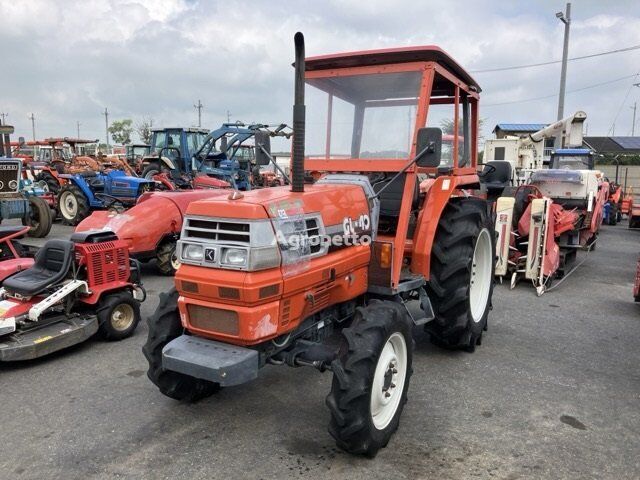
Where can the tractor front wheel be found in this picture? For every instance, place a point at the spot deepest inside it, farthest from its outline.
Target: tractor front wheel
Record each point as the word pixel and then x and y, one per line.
pixel 150 170
pixel 39 218
pixel 462 269
pixel 164 326
pixel 371 378
pixel 51 181
pixel 118 315
pixel 73 205
pixel 167 258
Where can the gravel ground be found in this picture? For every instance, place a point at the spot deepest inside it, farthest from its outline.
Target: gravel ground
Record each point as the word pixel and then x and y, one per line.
pixel 553 392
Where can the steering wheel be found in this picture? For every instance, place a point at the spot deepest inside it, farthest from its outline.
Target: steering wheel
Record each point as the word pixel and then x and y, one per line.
pixel 487 170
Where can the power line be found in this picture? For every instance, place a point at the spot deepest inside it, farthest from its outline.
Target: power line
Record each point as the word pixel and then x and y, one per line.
pixel 555 94
pixel 542 64
pixel 613 124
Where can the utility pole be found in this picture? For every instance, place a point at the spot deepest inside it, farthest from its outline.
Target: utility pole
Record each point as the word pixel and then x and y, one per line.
pixel 106 126
pixel 633 124
pixel 33 125
pixel 566 19
pixel 199 108
pixel 78 127
pixel 228 116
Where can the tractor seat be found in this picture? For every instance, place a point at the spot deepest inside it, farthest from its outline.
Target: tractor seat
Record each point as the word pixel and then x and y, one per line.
pixel 88 174
pixel 391 197
pixel 96 182
pixel 51 265
pixel 497 179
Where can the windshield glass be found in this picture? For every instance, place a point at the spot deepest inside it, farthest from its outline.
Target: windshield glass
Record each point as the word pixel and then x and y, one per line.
pixel 362 116
pixel 572 162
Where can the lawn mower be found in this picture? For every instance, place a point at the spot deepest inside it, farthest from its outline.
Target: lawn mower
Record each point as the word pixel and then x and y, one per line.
pixel 335 274
pixel 14 256
pixel 152 227
pixel 73 290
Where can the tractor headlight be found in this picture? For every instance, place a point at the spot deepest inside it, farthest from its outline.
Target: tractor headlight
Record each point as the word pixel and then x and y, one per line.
pixel 234 257
pixel 192 253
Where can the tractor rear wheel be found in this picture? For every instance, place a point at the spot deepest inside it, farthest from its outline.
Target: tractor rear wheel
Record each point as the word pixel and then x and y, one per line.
pixel 39 218
pixel 462 269
pixel 164 326
pixel 371 378
pixel 118 315
pixel 50 180
pixel 73 205
pixel 167 258
pixel 150 170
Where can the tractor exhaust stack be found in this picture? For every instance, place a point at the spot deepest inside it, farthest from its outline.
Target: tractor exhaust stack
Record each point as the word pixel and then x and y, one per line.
pixel 297 160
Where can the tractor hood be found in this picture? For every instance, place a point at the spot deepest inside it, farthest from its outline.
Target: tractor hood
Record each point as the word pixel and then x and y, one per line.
pixel 336 203
pixel 155 216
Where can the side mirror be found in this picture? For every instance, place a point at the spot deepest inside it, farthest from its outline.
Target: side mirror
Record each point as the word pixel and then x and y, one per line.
pixel 262 139
pixel 21 141
pixel 429 148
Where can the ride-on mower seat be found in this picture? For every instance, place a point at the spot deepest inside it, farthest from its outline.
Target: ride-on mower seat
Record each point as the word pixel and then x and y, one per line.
pixel 51 265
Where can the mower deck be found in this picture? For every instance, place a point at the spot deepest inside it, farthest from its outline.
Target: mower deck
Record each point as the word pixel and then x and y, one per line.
pixel 210 360
pixel 39 341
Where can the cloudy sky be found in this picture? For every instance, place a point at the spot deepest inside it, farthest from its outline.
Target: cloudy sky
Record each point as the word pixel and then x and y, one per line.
pixel 67 60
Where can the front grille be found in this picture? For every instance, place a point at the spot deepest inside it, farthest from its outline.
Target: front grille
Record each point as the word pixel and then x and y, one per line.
pixel 214 320
pixel 218 231
pixel 9 176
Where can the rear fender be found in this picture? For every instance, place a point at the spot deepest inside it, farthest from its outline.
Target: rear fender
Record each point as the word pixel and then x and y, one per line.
pixel 437 198
pixel 84 188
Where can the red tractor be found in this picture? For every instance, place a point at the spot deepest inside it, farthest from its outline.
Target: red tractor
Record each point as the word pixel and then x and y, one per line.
pixel 150 228
pixel 73 290
pixel 335 274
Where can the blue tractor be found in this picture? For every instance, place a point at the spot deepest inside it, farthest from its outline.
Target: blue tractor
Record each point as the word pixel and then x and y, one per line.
pixel 86 191
pixel 171 150
pixel 227 155
pixel 20 199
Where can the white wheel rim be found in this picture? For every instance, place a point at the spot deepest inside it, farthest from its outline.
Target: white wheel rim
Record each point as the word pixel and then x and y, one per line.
pixel 480 282
pixel 175 263
pixel 388 381
pixel 68 205
pixel 122 317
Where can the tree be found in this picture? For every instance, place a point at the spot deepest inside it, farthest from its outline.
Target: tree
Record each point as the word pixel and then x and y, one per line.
pixel 121 130
pixel 447 126
pixel 143 129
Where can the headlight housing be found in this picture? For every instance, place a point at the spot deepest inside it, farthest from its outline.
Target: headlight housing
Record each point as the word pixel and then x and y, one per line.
pixel 238 245
pixel 234 257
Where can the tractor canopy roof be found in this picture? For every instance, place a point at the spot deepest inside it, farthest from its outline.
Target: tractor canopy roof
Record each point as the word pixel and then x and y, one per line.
pixel 69 140
pixel 387 56
pixel 188 129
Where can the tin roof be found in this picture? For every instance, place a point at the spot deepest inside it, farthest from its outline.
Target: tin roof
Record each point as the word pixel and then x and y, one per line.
pixel 520 127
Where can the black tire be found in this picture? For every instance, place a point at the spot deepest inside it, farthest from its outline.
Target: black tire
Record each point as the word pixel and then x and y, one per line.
pixel 118 315
pixel 165 257
pixel 150 170
pixel 164 326
pixel 350 400
pixel 39 218
pixel 50 180
pixel 613 215
pixel 460 227
pixel 82 209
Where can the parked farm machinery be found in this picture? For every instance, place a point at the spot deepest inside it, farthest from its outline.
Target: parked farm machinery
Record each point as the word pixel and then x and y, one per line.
pixel 545 222
pixel 73 290
pixel 335 274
